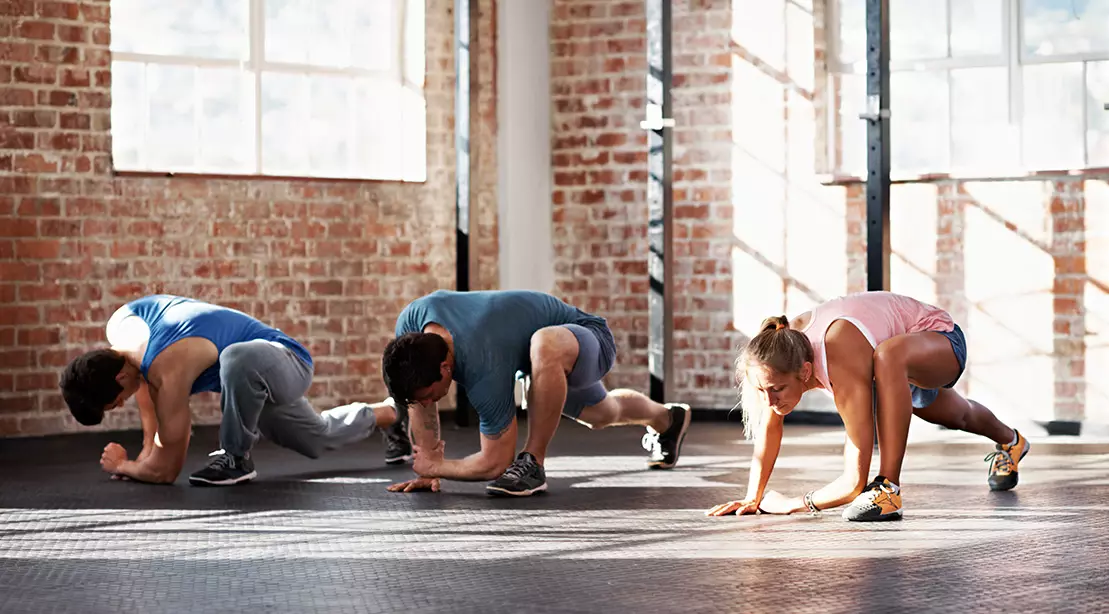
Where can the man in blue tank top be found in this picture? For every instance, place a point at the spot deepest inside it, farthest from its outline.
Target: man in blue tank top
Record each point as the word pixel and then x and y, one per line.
pixel 481 340
pixel 166 348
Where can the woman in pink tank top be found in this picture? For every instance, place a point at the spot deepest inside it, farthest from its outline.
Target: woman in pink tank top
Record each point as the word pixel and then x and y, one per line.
pixel 880 355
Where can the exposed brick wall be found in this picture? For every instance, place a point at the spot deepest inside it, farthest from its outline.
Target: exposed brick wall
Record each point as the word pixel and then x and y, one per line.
pixel 598 86
pixel 330 262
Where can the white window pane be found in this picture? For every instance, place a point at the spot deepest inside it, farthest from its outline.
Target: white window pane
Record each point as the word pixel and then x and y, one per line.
pixel 226 115
pixel 1097 132
pixel 800 34
pixel 918 29
pixel 852 92
pixel 1058 27
pixel 128 114
pixel 415 47
pixel 334 33
pixel 976 27
pixel 759 26
pixel 919 127
pixel 1052 126
pixel 331 113
pixel 171 133
pixel 380 129
pixel 982 137
pixel 284 107
pixel 193 28
pixel 852 31
pixel 414 138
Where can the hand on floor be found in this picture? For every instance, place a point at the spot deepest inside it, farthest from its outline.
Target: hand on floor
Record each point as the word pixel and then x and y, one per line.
pixel 416 485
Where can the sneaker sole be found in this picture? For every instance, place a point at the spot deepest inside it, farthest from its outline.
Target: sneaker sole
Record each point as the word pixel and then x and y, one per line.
pixel 681 440
pixel 399 459
pixel 500 492
pixel 883 518
pixel 232 482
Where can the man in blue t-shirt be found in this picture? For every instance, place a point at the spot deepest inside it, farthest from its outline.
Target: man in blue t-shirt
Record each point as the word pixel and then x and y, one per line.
pixel 166 348
pixel 482 340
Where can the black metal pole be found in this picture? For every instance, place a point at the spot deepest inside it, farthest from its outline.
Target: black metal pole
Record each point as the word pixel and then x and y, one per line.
pixel 462 170
pixel 660 200
pixel 878 145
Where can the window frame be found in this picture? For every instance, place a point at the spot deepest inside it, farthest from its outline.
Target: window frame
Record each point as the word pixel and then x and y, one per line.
pixel 1013 57
pixel 256 64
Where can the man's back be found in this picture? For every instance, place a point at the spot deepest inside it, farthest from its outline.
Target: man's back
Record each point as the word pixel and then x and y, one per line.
pixel 173 318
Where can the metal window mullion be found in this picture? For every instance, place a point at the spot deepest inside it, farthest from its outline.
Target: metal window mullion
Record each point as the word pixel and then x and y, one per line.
pixel 1016 75
pixel 257 57
pixel 1085 116
pixel 949 24
pixel 144 156
pixel 1068 58
pixel 178 60
pixel 197 104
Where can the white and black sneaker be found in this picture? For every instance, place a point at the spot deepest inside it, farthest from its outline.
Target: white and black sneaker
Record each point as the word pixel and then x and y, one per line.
pixel 663 449
pixel 524 477
pixel 398 441
pixel 225 470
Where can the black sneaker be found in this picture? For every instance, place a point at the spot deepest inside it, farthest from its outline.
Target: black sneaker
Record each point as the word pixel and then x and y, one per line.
pixel 224 470
pixel 398 443
pixel 664 448
pixel 525 476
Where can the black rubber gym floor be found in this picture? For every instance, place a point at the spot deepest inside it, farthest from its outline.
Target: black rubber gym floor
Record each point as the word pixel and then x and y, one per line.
pixel 325 536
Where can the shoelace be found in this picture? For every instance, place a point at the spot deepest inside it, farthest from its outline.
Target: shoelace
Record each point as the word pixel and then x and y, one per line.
pixel 223 460
pixel 651 442
pixel 874 489
pixel 1002 460
pixel 518 469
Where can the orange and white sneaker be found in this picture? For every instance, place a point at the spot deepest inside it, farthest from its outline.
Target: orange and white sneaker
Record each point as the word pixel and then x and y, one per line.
pixel 880 500
pixel 1003 468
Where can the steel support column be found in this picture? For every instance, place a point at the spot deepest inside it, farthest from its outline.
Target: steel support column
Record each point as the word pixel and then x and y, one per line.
pixel 462 169
pixel 878 145
pixel 660 201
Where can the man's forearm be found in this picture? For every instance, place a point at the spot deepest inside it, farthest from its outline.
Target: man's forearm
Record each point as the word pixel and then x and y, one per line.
pixel 473 468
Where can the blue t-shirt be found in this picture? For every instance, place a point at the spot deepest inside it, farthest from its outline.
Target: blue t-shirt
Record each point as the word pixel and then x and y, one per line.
pixel 492 340
pixel 173 318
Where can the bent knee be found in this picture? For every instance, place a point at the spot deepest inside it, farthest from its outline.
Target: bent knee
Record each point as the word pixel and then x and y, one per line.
pixel 889 358
pixel 554 347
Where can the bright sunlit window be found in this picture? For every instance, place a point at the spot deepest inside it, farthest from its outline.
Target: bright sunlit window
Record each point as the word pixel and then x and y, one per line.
pixel 980 85
pixel 303 88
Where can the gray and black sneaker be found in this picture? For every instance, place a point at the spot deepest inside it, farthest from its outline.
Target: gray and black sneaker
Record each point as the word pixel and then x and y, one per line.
pixel 664 448
pixel 524 477
pixel 398 442
pixel 224 470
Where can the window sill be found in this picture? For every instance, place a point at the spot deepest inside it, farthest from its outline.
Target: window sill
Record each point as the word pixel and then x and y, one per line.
pixel 895 179
pixel 255 177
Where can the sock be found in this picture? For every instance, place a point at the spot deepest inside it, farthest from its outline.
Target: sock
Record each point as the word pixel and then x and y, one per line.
pixel 1016 438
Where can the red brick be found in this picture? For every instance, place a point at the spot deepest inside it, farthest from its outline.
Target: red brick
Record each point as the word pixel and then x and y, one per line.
pixel 74 77
pixel 14 51
pixel 95 12
pixel 58 10
pixel 72 34
pixel 40 30
pixel 15 139
pixel 35 73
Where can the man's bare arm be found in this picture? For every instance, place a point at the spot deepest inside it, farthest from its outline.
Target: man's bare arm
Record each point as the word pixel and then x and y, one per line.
pixel 149 420
pixel 167 456
pixel 494 457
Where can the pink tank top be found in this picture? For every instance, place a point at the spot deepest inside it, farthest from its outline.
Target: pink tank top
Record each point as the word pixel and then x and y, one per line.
pixel 878 315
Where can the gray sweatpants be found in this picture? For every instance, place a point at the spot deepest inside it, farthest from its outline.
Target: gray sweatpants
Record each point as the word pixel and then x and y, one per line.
pixel 263 395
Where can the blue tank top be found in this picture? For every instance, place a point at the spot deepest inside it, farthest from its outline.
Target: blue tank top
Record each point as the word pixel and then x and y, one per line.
pixel 173 318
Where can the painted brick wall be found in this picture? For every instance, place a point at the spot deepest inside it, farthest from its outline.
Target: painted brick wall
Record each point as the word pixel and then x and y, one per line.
pixel 598 83
pixel 330 262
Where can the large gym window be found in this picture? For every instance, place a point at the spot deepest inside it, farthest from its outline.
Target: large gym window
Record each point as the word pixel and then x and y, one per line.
pixel 303 88
pixel 987 87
